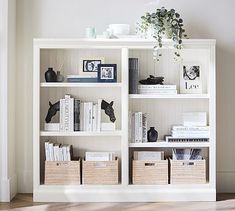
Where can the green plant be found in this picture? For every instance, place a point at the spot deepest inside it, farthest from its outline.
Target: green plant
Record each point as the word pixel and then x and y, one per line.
pixel 163 23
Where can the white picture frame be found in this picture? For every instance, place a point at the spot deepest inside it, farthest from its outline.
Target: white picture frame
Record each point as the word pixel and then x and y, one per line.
pixel 190 78
pixel 90 62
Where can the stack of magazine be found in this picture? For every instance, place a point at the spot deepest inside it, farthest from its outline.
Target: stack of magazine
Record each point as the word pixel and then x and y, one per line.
pixel 157 89
pixel 81 79
pixel 186 154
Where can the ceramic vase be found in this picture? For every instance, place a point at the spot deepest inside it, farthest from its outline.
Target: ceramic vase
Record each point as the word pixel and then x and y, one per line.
pixel 50 75
pixel 152 135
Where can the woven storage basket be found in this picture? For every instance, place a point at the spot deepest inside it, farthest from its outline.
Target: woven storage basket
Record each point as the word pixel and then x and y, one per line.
pixel 150 172
pixel 62 173
pixel 100 172
pixel 188 171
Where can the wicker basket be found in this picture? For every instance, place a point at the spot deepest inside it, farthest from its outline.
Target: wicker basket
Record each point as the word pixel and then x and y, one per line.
pixel 188 172
pixel 150 172
pixel 100 172
pixel 62 173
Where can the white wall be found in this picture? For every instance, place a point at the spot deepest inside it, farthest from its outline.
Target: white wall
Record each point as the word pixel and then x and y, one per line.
pixel 68 19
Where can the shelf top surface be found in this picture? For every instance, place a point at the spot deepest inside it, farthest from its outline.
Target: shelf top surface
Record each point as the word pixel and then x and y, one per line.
pixel 44 43
pixel 170 144
pixel 180 96
pixel 68 84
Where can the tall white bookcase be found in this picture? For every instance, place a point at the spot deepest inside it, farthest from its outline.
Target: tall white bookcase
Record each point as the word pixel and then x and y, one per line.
pixel 164 111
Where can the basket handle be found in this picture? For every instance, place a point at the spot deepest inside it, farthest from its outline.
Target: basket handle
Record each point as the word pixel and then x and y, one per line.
pixel 188 163
pixel 149 164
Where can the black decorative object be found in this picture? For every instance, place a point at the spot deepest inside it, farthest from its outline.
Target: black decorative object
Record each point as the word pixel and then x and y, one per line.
pixel 52 110
pixel 152 135
pixel 50 75
pixel 59 77
pixel 108 109
pixel 152 80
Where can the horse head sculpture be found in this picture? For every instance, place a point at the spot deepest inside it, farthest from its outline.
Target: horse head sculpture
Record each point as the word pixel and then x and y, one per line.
pixel 108 109
pixel 52 110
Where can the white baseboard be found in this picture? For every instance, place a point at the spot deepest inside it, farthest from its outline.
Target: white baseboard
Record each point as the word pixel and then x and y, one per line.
pixel 25 182
pixel 4 190
pixel 225 181
pixel 8 188
pixel 13 186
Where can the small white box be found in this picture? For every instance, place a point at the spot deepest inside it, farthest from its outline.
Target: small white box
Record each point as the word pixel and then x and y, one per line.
pixel 108 126
pixel 194 119
pixel 52 126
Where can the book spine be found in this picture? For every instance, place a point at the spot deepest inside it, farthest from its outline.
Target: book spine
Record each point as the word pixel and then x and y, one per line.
pixel 85 116
pixel 158 87
pixel 47 151
pixel 140 127
pixel 133 127
pixel 82 116
pixel 65 156
pixel 90 115
pixel 94 117
pixel 71 114
pixel 66 114
pixel 145 127
pixel 99 115
pixel 76 115
pixel 61 115
pixel 133 75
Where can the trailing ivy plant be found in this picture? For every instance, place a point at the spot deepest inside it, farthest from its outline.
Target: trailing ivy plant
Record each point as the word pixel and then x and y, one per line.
pixel 161 24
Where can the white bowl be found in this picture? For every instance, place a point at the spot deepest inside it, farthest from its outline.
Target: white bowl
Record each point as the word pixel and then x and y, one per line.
pixel 120 29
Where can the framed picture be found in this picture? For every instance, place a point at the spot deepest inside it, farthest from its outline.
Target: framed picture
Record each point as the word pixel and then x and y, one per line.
pixel 190 78
pixel 89 66
pixel 107 73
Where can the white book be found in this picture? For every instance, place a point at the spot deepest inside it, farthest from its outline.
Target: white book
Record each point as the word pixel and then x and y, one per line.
pixel 56 152
pixel 192 128
pixel 65 156
pixel 158 92
pixel 66 113
pixel 98 156
pixel 99 115
pixel 80 76
pixel 69 157
pixel 47 151
pixel 89 116
pixel 145 127
pixel 61 115
pixel 194 119
pixel 51 151
pixel 137 128
pixel 61 154
pixel 190 136
pixel 85 116
pixel 189 132
pixel 157 86
pixel 129 126
pixel 82 116
pixel 148 155
pixel 71 114
pixel 140 133
pixel 94 116
pixel 133 127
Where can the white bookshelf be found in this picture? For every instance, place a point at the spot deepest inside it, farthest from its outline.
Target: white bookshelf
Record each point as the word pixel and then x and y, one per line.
pixel 164 110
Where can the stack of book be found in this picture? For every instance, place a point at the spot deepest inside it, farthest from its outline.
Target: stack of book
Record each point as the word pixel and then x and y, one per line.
pixel 79 116
pixel 148 155
pixel 187 154
pixel 100 156
pixel 81 79
pixel 138 127
pixel 133 75
pixel 157 89
pixel 58 152
pixel 190 132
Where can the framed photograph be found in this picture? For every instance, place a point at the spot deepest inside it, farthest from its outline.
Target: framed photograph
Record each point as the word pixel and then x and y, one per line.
pixel 107 73
pixel 89 66
pixel 190 78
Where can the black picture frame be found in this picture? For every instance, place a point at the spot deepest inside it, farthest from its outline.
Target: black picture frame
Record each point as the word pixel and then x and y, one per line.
pixel 90 65
pixel 107 73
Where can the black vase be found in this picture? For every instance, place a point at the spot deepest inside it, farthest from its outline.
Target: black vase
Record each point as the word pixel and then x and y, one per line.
pixel 152 135
pixel 50 75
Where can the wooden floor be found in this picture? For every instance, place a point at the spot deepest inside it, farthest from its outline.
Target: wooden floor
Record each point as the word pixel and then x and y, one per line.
pixel 23 202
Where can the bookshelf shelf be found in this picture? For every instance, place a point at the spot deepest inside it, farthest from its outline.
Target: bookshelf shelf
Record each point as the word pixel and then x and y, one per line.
pixel 168 96
pixel 165 144
pixel 82 133
pixel 90 85
pixel 162 114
